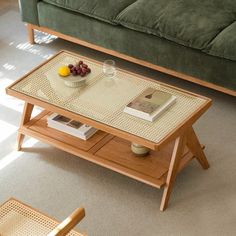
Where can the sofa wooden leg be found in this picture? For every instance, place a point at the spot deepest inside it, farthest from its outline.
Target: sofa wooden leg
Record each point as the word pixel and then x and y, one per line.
pixel 30 30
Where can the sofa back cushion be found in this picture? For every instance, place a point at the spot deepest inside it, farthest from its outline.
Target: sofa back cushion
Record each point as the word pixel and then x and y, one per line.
pixel 105 10
pixel 197 24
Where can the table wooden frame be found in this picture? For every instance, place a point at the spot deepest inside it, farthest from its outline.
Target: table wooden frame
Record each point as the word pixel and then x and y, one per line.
pixel 186 145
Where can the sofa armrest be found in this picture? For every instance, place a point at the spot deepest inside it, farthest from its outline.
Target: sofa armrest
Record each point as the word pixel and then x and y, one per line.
pixel 29 11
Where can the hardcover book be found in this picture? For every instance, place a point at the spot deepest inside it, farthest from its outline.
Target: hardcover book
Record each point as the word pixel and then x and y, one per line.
pixel 71 127
pixel 150 104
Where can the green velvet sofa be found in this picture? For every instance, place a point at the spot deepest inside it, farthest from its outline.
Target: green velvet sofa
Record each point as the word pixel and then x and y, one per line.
pixel 193 40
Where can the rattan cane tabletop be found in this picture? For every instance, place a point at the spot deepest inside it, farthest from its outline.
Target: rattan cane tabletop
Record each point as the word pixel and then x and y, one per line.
pixel 103 100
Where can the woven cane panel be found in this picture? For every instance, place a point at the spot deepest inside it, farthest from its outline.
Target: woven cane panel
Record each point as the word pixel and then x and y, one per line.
pixel 104 99
pixel 18 220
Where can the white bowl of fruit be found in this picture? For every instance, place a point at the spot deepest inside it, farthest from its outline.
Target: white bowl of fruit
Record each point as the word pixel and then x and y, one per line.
pixel 74 75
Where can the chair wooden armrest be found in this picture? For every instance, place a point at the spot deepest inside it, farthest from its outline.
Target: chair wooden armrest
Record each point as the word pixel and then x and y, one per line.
pixel 69 223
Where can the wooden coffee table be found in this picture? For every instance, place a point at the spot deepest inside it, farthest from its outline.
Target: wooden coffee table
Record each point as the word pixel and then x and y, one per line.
pixel 100 103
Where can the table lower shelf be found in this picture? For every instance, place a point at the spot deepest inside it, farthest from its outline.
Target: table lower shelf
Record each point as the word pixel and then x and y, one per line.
pixel 108 151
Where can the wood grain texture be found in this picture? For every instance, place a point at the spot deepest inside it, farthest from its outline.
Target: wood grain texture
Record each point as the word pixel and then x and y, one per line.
pixel 132 59
pixel 93 158
pixel 173 170
pixel 195 147
pixel 69 223
pixel 19 141
pixel 27 112
pixel 109 151
pixel 30 31
pixel 40 126
pixel 100 144
pixel 118 150
pixel 26 115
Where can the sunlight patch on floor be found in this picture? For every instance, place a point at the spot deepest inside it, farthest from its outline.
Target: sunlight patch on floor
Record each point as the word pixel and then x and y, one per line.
pixel 31 49
pixel 27 47
pixel 8 101
pixel 12 156
pixel 8 66
pixel 40 38
pixel 12 102
pixel 6 130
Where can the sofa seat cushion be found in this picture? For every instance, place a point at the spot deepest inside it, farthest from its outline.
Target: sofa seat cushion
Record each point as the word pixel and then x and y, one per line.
pixel 105 10
pixel 224 43
pixel 205 25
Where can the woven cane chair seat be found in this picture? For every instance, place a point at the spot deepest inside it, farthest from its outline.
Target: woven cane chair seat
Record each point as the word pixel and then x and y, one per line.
pixel 18 219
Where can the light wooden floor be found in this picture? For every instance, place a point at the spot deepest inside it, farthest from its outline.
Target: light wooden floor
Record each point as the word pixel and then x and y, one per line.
pixel 8 3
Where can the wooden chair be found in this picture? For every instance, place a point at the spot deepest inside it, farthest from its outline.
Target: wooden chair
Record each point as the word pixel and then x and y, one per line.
pixel 16 219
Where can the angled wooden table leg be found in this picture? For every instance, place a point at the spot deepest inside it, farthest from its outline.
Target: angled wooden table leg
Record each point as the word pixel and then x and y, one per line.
pixel 195 147
pixel 28 108
pixel 173 169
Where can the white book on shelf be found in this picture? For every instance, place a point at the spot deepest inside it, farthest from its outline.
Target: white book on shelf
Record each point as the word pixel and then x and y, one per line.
pixel 150 104
pixel 71 127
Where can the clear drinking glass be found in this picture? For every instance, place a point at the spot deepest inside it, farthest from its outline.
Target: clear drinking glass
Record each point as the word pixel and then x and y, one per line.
pixel 109 68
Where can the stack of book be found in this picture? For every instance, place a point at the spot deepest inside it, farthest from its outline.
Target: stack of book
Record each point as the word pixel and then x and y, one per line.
pixel 71 127
pixel 150 104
